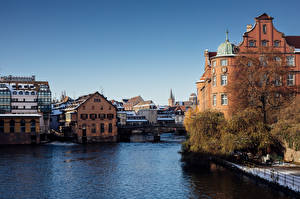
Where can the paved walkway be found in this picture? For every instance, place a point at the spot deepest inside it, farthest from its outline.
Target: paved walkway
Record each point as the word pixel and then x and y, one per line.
pixel 286 175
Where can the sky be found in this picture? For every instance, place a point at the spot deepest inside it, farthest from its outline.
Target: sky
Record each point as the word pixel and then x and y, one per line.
pixel 126 48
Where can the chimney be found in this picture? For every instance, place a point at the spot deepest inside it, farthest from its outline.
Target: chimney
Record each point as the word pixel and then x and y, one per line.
pixel 249 27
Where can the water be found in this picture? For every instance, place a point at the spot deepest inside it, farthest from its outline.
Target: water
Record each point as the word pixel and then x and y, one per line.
pixel 121 170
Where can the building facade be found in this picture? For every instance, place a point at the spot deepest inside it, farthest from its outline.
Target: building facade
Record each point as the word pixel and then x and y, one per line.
pixel 19 128
pixel 25 95
pixel 92 118
pixel 219 67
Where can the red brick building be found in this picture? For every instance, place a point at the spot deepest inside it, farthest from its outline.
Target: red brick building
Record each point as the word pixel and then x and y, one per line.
pixel 92 118
pixel 219 66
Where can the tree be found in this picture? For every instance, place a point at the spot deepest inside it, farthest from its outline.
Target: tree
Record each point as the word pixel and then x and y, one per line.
pixel 204 130
pixel 287 129
pixel 259 82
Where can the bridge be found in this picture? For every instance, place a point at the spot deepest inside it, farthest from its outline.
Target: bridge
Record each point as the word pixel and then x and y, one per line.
pixel 155 130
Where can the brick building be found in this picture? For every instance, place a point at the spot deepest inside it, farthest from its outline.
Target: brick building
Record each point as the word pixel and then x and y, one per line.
pixel 219 66
pixel 92 118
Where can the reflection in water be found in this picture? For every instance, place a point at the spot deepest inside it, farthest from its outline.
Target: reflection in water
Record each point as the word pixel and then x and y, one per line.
pixel 122 170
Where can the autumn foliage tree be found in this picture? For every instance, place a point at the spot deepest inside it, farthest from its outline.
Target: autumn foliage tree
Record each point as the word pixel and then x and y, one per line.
pixel 259 81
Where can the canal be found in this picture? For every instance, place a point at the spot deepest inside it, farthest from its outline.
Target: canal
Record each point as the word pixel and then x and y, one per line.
pixel 121 170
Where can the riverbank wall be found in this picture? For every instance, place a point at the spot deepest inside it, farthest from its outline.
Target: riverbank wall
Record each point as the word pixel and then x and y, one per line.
pixel 285 182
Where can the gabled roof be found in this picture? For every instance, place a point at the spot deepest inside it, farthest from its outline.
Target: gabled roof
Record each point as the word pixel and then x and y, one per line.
pixel 264 16
pixel 134 100
pixel 293 41
pixel 82 99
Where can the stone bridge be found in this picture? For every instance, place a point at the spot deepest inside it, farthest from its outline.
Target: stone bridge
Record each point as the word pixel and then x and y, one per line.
pixel 155 130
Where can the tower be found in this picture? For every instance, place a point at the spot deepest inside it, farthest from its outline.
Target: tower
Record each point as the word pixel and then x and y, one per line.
pixel 171 100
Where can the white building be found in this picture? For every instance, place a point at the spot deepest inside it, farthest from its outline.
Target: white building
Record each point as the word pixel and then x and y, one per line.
pixel 25 95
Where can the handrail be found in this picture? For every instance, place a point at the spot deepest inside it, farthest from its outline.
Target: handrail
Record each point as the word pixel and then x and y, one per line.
pixel 288 180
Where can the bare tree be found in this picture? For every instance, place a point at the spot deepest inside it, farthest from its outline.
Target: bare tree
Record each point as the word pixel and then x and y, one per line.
pixel 261 80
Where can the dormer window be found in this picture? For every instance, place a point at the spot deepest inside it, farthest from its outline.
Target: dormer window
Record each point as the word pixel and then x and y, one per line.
pixel 252 43
pixel 264 42
pixel 276 43
pixel 264 29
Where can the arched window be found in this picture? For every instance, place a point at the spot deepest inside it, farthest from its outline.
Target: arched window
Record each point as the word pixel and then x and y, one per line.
pixel 32 126
pixel 21 93
pixel 26 93
pixel 12 126
pixel 23 129
pixel 15 92
pixel 265 29
pixel 32 93
pixel 1 126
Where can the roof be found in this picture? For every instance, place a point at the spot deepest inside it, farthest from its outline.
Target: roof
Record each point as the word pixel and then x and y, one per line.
pixel 293 41
pixel 212 54
pixel 19 115
pixel 82 99
pixel 264 16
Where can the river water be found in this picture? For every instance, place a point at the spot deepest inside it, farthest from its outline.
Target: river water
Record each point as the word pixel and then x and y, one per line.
pixel 121 170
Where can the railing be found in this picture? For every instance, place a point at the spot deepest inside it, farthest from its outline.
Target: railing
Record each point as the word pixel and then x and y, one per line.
pixel 288 180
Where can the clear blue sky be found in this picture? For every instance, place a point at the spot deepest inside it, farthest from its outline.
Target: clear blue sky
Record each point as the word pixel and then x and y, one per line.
pixel 125 47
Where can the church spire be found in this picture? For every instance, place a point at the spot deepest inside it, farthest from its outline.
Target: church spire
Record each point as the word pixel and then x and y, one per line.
pixel 227 35
pixel 171 95
pixel 171 99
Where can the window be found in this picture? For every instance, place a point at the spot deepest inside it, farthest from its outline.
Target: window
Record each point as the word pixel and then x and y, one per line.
pixel 214 82
pixel 97 100
pixel 277 81
pixel 11 126
pixel 224 62
pixel 32 126
pixel 276 43
pixel 26 93
pixel 223 80
pixel 109 108
pixel 214 63
pixel 83 116
pixel 264 29
pixel 93 128
pixel 101 116
pixel 93 116
pixel 21 93
pixel 15 92
pixel 1 126
pixel 101 108
pixel 264 42
pixel 252 43
pixel 110 128
pixel 110 116
pixel 249 63
pixel 23 126
pixel 224 100
pixel 214 102
pixel 290 60
pixel 32 93
pixel 93 107
pixel 290 79
pixel 263 61
pixel 101 128
pixel 83 107
pixel 277 59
